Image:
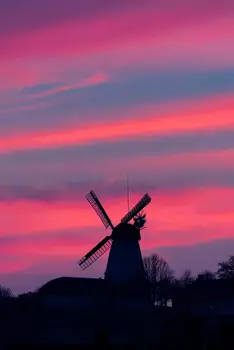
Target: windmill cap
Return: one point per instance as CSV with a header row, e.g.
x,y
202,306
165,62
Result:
x,y
126,231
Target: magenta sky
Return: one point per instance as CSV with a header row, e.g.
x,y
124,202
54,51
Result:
x,y
91,90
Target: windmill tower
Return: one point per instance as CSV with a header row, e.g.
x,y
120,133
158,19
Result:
x,y
125,262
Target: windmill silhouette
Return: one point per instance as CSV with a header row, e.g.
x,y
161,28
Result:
x,y
125,260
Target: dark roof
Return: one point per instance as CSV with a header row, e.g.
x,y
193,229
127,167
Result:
x,y
72,285
88,286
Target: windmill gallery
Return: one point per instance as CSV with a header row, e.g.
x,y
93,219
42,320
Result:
x,y
123,292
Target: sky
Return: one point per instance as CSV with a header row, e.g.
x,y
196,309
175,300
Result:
x,y
93,90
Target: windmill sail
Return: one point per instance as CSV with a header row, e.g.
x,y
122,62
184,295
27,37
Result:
x,y
95,253
94,202
138,207
122,237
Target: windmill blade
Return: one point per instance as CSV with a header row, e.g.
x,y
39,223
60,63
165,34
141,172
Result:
x,y
95,253
138,207
94,202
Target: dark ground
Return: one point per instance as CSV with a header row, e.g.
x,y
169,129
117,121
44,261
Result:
x,y
29,323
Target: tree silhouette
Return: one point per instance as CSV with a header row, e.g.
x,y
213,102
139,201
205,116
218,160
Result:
x,y
226,269
159,274
206,275
187,277
5,292
157,269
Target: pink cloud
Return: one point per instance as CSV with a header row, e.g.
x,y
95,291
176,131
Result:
x,y
68,41
101,44
9,266
148,125
186,161
41,13
42,217
137,36
164,213
174,218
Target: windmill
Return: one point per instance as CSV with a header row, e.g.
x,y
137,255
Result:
x,y
125,261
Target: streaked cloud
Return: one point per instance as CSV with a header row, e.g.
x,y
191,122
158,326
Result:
x,y
55,89
114,130
90,91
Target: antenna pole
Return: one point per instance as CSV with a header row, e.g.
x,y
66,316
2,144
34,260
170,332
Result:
x,y
128,192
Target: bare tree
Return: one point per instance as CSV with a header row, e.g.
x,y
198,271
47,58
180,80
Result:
x,y
226,269
159,274
206,275
157,269
187,277
166,273
5,292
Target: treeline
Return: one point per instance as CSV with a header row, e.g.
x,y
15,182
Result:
x,y
163,282
159,272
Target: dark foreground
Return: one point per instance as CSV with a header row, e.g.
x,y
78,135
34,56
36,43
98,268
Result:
x,y
30,322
